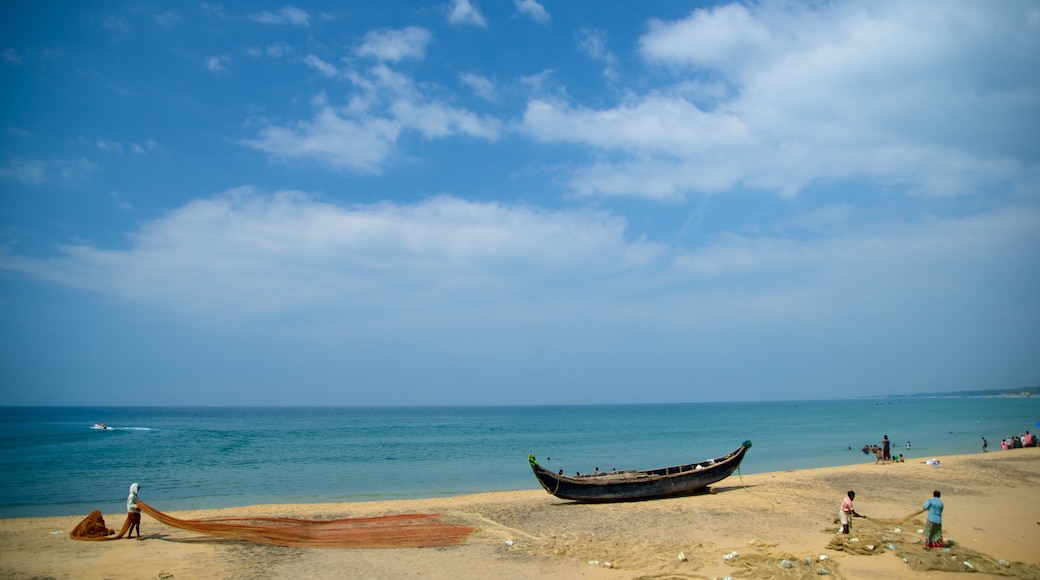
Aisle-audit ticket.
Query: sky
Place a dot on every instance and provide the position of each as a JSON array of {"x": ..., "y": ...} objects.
[{"x": 516, "y": 202}]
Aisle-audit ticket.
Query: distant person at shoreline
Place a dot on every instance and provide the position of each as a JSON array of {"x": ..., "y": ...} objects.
[
  {"x": 133, "y": 513},
  {"x": 908, "y": 445},
  {"x": 1028, "y": 440},
  {"x": 886, "y": 448},
  {"x": 879, "y": 455},
  {"x": 933, "y": 529},
  {"x": 847, "y": 511},
  {"x": 985, "y": 444}
]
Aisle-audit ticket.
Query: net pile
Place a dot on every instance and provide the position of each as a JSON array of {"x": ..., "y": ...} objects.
[
  {"x": 93, "y": 528},
  {"x": 873, "y": 536},
  {"x": 783, "y": 566},
  {"x": 395, "y": 531}
]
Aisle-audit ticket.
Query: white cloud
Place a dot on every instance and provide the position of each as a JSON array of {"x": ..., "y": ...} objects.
[
  {"x": 288, "y": 15},
  {"x": 214, "y": 10},
  {"x": 114, "y": 146},
  {"x": 11, "y": 56},
  {"x": 483, "y": 87},
  {"x": 396, "y": 45},
  {"x": 650, "y": 125},
  {"x": 594, "y": 44},
  {"x": 723, "y": 37},
  {"x": 217, "y": 63},
  {"x": 144, "y": 148},
  {"x": 76, "y": 170},
  {"x": 657, "y": 178},
  {"x": 321, "y": 66},
  {"x": 117, "y": 25},
  {"x": 168, "y": 18},
  {"x": 932, "y": 258},
  {"x": 31, "y": 171},
  {"x": 436, "y": 120},
  {"x": 542, "y": 82},
  {"x": 120, "y": 203},
  {"x": 361, "y": 135},
  {"x": 533, "y": 10},
  {"x": 917, "y": 97},
  {"x": 275, "y": 50},
  {"x": 462, "y": 12},
  {"x": 362, "y": 143},
  {"x": 246, "y": 255}
]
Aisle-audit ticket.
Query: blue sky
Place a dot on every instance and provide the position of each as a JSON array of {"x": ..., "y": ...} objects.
[{"x": 516, "y": 202}]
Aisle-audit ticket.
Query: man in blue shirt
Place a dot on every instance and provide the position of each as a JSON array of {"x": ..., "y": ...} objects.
[{"x": 933, "y": 530}]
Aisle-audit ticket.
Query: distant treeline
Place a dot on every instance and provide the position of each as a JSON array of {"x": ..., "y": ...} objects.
[{"x": 1019, "y": 392}]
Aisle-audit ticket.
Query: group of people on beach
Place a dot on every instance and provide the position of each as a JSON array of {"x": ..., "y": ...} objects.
[
  {"x": 1016, "y": 442},
  {"x": 934, "y": 505},
  {"x": 933, "y": 526},
  {"x": 883, "y": 453}
]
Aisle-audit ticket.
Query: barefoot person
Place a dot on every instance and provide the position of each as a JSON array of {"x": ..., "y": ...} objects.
[
  {"x": 847, "y": 511},
  {"x": 133, "y": 513},
  {"x": 933, "y": 529}
]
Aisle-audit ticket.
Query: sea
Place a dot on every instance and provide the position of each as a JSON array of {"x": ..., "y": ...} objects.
[{"x": 52, "y": 462}]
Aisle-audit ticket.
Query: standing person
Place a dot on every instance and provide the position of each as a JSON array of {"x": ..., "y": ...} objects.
[
  {"x": 985, "y": 444},
  {"x": 133, "y": 513},
  {"x": 933, "y": 530},
  {"x": 847, "y": 511},
  {"x": 886, "y": 449}
]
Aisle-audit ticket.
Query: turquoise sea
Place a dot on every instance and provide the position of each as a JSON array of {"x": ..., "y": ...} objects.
[{"x": 53, "y": 463}]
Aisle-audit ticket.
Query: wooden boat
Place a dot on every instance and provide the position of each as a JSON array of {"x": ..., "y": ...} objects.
[{"x": 634, "y": 485}]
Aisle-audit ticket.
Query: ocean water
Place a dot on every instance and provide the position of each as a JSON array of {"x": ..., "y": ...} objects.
[{"x": 53, "y": 463}]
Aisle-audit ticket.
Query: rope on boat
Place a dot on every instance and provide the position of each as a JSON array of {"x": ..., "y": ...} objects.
[
  {"x": 742, "y": 484},
  {"x": 534, "y": 463},
  {"x": 740, "y": 475}
]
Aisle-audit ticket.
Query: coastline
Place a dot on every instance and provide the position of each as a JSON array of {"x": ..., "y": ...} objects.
[{"x": 764, "y": 517}]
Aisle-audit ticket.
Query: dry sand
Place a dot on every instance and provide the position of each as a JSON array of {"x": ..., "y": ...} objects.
[{"x": 991, "y": 514}]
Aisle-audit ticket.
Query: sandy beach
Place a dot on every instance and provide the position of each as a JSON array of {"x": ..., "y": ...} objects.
[{"x": 770, "y": 525}]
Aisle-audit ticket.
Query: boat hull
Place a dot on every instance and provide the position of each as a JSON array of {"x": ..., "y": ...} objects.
[{"x": 674, "y": 481}]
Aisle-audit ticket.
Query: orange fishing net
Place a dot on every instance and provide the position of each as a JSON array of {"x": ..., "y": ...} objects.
[
  {"x": 93, "y": 528},
  {"x": 397, "y": 531}
]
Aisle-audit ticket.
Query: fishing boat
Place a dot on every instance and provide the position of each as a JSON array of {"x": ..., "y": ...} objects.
[{"x": 617, "y": 486}]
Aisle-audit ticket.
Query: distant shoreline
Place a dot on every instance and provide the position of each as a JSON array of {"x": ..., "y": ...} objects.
[{"x": 1022, "y": 393}]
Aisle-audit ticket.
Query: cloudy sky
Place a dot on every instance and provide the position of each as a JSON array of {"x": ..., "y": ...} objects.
[{"x": 516, "y": 201}]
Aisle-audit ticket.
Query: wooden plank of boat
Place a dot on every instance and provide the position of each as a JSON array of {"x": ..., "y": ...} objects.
[{"x": 639, "y": 485}]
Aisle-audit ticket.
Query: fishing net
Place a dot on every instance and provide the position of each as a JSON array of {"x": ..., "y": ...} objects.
[
  {"x": 394, "y": 531},
  {"x": 872, "y": 536},
  {"x": 93, "y": 528},
  {"x": 783, "y": 566}
]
